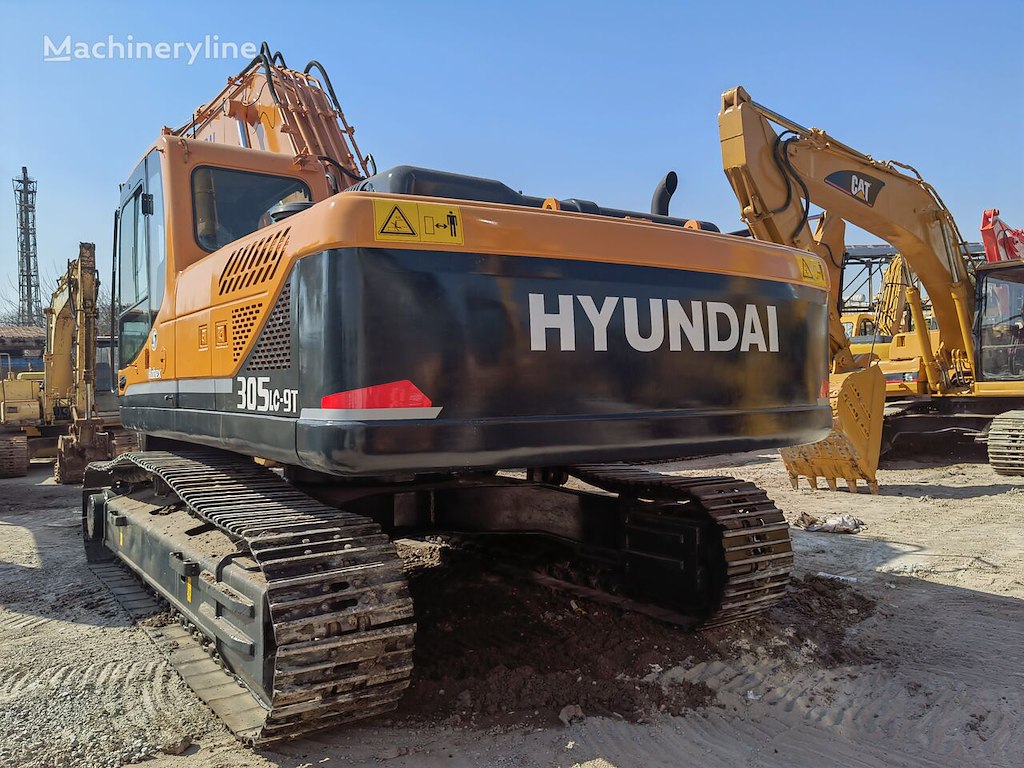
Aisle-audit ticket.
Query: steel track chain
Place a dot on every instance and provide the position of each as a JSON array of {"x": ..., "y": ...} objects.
[
  {"x": 14, "y": 455},
  {"x": 756, "y": 551},
  {"x": 339, "y": 601}
]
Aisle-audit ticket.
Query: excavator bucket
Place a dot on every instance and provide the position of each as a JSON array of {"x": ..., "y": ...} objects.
[{"x": 850, "y": 451}]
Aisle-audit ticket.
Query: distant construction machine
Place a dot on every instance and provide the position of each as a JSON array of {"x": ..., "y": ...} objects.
[
  {"x": 870, "y": 333},
  {"x": 59, "y": 410},
  {"x": 971, "y": 367},
  {"x": 1002, "y": 242}
]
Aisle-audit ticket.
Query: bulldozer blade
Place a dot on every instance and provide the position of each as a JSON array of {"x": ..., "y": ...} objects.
[{"x": 850, "y": 451}]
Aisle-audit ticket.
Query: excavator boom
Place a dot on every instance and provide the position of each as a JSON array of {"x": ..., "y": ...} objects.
[
  {"x": 972, "y": 355},
  {"x": 268, "y": 106},
  {"x": 775, "y": 203},
  {"x": 892, "y": 303},
  {"x": 776, "y": 176}
]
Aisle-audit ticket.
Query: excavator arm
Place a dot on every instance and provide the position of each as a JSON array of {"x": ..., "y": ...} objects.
[
  {"x": 892, "y": 302},
  {"x": 777, "y": 174},
  {"x": 271, "y": 107},
  {"x": 57, "y": 363},
  {"x": 70, "y": 358}
]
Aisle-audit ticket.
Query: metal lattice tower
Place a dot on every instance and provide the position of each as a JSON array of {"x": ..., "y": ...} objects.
[{"x": 30, "y": 310}]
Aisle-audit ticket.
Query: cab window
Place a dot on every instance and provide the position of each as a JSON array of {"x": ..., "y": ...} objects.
[
  {"x": 157, "y": 233},
  {"x": 141, "y": 258},
  {"x": 1002, "y": 327},
  {"x": 133, "y": 277},
  {"x": 230, "y": 204}
]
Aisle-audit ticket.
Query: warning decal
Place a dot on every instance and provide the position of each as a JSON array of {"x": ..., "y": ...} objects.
[
  {"x": 812, "y": 270},
  {"x": 397, "y": 224},
  {"x": 407, "y": 222}
]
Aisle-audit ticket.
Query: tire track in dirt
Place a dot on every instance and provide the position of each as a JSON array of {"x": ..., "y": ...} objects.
[
  {"x": 770, "y": 742},
  {"x": 13, "y": 624},
  {"x": 957, "y": 697},
  {"x": 112, "y": 675}
]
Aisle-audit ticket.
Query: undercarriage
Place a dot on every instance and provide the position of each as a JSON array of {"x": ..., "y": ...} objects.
[{"x": 295, "y": 610}]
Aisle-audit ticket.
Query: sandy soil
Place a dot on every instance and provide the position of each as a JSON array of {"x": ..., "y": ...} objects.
[{"x": 917, "y": 662}]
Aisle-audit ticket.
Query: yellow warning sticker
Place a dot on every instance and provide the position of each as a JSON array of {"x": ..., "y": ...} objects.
[
  {"x": 188, "y": 589},
  {"x": 407, "y": 222},
  {"x": 812, "y": 270},
  {"x": 120, "y": 536},
  {"x": 397, "y": 222}
]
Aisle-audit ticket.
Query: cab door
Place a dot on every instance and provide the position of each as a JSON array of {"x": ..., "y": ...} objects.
[
  {"x": 999, "y": 323},
  {"x": 141, "y": 266}
]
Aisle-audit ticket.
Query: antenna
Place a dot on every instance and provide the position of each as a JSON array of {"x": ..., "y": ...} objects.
[{"x": 30, "y": 311}]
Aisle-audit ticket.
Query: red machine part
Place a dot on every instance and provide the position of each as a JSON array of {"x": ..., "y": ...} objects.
[
  {"x": 396, "y": 394},
  {"x": 1001, "y": 242}
]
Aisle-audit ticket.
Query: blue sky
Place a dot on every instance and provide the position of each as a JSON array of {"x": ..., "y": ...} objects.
[{"x": 574, "y": 99}]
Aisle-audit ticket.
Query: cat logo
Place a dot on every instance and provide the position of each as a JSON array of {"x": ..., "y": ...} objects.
[{"x": 857, "y": 185}]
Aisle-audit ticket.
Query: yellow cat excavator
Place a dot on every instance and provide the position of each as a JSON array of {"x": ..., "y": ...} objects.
[
  {"x": 972, "y": 364},
  {"x": 771, "y": 204},
  {"x": 393, "y": 340}
]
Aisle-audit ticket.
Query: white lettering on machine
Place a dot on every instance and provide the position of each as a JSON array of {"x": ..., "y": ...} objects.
[{"x": 711, "y": 326}]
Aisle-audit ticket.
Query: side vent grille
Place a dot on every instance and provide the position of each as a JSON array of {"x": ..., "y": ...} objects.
[
  {"x": 273, "y": 350},
  {"x": 243, "y": 322},
  {"x": 254, "y": 263}
]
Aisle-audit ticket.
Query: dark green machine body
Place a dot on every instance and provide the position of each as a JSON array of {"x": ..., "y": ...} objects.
[{"x": 400, "y": 361}]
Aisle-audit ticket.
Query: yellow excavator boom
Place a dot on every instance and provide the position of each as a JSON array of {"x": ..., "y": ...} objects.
[
  {"x": 892, "y": 303},
  {"x": 775, "y": 175}
]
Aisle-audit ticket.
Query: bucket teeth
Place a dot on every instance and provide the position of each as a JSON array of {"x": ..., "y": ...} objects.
[
  {"x": 850, "y": 451},
  {"x": 832, "y": 482}
]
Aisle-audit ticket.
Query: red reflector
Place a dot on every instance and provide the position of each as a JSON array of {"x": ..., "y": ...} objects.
[
  {"x": 397, "y": 394},
  {"x": 824, "y": 389}
]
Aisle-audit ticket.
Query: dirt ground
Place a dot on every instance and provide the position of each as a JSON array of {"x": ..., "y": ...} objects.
[{"x": 915, "y": 659}]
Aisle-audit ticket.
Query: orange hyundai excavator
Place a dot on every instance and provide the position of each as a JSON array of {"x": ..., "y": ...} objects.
[
  {"x": 392, "y": 341},
  {"x": 970, "y": 369}
]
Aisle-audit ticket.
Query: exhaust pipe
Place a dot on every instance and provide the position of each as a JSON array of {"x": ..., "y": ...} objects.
[{"x": 663, "y": 193}]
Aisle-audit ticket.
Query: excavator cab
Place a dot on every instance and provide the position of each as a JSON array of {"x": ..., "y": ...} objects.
[
  {"x": 999, "y": 330},
  {"x": 1000, "y": 323}
]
